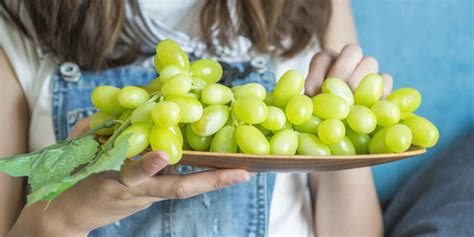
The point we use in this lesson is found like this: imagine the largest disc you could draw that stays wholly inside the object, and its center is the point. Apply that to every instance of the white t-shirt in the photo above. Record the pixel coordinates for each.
(291, 210)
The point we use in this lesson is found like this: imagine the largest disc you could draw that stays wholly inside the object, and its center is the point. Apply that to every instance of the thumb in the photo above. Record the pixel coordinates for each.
(80, 128)
(135, 172)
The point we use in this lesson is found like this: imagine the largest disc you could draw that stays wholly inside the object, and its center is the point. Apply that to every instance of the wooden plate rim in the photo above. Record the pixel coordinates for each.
(414, 151)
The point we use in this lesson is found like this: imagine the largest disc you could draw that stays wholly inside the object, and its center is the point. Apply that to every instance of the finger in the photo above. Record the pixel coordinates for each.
(188, 185)
(80, 128)
(136, 172)
(346, 63)
(367, 65)
(387, 84)
(319, 67)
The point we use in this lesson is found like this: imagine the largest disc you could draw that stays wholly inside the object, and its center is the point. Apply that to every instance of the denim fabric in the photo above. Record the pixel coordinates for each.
(439, 200)
(242, 210)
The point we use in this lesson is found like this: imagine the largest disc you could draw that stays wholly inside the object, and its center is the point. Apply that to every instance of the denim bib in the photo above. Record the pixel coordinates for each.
(241, 210)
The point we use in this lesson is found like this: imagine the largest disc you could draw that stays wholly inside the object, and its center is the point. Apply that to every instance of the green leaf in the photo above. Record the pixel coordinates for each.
(18, 165)
(27, 164)
(61, 161)
(108, 159)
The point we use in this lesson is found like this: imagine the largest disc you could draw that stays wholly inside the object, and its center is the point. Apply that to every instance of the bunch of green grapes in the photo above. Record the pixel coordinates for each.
(185, 108)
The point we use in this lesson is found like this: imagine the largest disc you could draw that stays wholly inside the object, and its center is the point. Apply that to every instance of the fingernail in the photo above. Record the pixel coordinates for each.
(241, 178)
(159, 158)
(252, 174)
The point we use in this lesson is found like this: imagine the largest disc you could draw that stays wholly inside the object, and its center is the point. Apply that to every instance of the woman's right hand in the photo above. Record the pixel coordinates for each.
(107, 197)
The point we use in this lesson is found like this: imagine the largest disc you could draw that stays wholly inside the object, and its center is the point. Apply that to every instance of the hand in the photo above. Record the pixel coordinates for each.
(340, 196)
(106, 197)
(350, 65)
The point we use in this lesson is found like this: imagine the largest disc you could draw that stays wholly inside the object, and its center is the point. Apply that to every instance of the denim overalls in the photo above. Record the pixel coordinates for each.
(241, 210)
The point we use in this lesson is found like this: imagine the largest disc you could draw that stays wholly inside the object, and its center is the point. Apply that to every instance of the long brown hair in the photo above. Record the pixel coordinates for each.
(87, 31)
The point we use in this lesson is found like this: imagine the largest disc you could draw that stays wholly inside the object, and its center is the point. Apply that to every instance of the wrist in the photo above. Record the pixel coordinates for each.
(35, 221)
(353, 177)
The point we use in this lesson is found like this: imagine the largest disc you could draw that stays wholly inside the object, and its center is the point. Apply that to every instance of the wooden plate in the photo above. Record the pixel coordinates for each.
(296, 163)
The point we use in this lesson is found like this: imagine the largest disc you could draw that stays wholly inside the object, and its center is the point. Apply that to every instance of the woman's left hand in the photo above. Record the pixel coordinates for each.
(341, 196)
(350, 65)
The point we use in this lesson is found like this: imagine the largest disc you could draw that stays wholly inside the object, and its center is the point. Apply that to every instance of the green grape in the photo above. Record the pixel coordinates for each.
(199, 83)
(370, 90)
(359, 140)
(331, 131)
(275, 119)
(299, 109)
(343, 148)
(169, 52)
(287, 125)
(131, 97)
(377, 144)
(224, 140)
(309, 144)
(191, 109)
(100, 118)
(251, 141)
(263, 130)
(105, 98)
(196, 142)
(250, 110)
(328, 106)
(142, 113)
(269, 100)
(176, 130)
(361, 119)
(269, 137)
(213, 118)
(425, 133)
(155, 85)
(148, 89)
(206, 69)
(310, 126)
(254, 90)
(170, 71)
(284, 142)
(386, 112)
(166, 114)
(404, 116)
(178, 85)
(162, 139)
(336, 86)
(407, 99)
(289, 85)
(182, 129)
(138, 140)
(398, 138)
(123, 117)
(377, 128)
(193, 95)
(216, 94)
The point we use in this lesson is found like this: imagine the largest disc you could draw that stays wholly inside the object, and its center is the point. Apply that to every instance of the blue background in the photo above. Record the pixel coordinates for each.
(429, 45)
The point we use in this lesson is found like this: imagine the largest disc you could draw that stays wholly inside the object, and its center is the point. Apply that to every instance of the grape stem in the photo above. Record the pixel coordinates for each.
(125, 124)
(109, 143)
(235, 122)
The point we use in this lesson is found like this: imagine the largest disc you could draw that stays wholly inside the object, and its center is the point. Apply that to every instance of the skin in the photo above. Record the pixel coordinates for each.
(123, 193)
(345, 202)
(132, 189)
(340, 197)
(13, 140)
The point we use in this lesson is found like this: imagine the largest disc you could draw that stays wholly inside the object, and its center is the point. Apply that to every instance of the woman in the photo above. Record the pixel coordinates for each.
(53, 53)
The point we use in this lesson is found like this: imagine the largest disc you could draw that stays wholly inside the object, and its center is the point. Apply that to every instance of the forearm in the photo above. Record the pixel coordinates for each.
(346, 203)
(13, 140)
(38, 221)
(11, 201)
(341, 29)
